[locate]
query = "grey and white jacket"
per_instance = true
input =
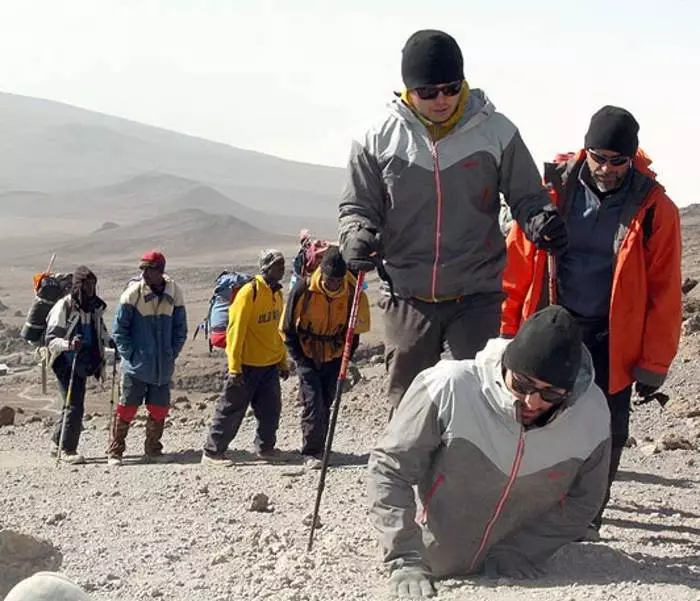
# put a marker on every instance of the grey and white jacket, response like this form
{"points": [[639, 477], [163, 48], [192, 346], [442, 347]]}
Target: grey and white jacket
{"points": [[66, 319], [436, 204], [486, 484]]}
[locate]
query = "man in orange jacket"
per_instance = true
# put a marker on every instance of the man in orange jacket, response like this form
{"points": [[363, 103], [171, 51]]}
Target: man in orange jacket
{"points": [[621, 274]]}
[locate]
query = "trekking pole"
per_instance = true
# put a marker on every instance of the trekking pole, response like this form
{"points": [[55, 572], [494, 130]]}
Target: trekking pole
{"points": [[111, 399], [552, 281], [349, 336], [66, 407]]}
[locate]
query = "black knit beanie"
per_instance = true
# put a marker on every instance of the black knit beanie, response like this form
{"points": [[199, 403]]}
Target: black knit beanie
{"points": [[80, 275], [613, 128], [547, 347], [332, 264], [431, 57]]}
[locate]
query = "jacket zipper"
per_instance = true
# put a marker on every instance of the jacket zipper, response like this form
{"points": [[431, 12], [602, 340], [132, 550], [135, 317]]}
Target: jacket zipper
{"points": [[438, 218], [519, 452]]}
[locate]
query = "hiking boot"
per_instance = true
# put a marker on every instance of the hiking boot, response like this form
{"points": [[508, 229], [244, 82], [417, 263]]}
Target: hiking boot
{"points": [[73, 458], [152, 447], [118, 445], [313, 462], [216, 460], [271, 455]]}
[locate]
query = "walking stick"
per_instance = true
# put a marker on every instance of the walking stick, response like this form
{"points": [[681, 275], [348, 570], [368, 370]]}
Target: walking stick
{"points": [[66, 407], [349, 336]]}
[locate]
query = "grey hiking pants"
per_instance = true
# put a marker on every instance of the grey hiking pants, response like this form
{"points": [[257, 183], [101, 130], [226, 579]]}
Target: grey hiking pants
{"points": [[261, 390], [417, 332]]}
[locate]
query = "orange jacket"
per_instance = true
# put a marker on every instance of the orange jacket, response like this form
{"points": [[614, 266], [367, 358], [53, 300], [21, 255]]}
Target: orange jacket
{"points": [[645, 307]]}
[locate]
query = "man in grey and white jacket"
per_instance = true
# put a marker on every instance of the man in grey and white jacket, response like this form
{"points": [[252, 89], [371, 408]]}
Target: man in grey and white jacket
{"points": [[510, 454], [422, 199]]}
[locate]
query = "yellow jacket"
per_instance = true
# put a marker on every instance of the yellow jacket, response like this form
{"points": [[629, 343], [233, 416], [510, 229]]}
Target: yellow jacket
{"points": [[317, 318], [252, 337]]}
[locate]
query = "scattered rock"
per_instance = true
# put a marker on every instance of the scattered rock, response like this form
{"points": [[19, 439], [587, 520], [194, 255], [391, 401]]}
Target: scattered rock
{"points": [[21, 556], [7, 416], [692, 324], [631, 442], [4, 369], [3, 307], [688, 285], [649, 449], [32, 419], [202, 406], [691, 462], [18, 313], [674, 442], [308, 519], [260, 503], [19, 411], [56, 518], [203, 490]]}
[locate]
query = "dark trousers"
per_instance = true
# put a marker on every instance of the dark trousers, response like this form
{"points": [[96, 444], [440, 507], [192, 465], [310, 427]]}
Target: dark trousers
{"points": [[261, 390], [318, 391], [417, 332], [598, 343], [76, 409]]}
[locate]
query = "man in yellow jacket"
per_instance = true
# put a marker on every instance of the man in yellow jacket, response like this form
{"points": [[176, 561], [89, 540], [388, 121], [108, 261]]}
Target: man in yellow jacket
{"points": [[256, 361], [314, 327]]}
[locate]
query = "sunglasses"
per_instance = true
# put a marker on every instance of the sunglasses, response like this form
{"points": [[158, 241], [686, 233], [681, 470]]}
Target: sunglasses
{"points": [[523, 385], [432, 92], [616, 161]]}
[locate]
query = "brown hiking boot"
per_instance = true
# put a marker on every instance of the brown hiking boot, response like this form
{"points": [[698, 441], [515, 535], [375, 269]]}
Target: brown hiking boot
{"points": [[152, 448], [118, 445]]}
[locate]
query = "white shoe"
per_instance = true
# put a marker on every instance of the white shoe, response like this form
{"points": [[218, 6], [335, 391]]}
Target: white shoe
{"points": [[114, 460], [73, 458], [216, 461]]}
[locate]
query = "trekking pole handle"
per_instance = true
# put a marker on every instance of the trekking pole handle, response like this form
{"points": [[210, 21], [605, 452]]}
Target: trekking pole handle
{"points": [[352, 325]]}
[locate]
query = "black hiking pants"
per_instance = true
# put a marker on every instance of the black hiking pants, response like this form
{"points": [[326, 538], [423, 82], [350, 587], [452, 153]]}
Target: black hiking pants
{"points": [[261, 390], [317, 392], [596, 339], [76, 409], [417, 332]]}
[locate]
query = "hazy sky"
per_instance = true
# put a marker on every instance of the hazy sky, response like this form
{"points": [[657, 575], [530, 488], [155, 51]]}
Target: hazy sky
{"points": [[299, 78]]}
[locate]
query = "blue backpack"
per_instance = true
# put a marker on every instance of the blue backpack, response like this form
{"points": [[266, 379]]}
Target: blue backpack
{"points": [[215, 323]]}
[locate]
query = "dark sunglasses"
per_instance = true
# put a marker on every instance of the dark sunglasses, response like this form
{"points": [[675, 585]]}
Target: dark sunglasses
{"points": [[616, 161], [523, 385], [432, 92]]}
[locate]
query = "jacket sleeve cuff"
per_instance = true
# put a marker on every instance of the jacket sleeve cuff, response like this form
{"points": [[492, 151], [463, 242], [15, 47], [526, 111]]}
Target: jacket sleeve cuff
{"points": [[650, 378]]}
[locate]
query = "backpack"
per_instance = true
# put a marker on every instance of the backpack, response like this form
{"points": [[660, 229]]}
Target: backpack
{"points": [[308, 258], [49, 288], [226, 287]]}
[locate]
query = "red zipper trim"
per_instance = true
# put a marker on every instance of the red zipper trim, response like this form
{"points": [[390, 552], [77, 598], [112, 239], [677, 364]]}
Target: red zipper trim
{"points": [[439, 481], [519, 452], [438, 219]]}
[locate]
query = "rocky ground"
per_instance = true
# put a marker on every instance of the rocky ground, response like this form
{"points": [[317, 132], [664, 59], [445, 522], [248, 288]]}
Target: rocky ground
{"points": [[181, 531]]}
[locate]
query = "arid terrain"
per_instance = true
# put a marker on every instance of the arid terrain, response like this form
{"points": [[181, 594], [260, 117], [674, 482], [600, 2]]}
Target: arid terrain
{"points": [[100, 191]]}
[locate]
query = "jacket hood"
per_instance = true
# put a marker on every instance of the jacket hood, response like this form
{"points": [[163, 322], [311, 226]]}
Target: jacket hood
{"points": [[488, 364]]}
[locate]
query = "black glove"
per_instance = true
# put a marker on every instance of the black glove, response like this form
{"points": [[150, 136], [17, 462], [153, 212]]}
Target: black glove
{"points": [[361, 250], [644, 390], [547, 231]]}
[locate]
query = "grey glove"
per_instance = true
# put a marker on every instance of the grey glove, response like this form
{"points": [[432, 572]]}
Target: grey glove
{"points": [[510, 565], [410, 583]]}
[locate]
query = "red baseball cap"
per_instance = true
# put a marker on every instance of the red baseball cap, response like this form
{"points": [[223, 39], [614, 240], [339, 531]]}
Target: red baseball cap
{"points": [[153, 259]]}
